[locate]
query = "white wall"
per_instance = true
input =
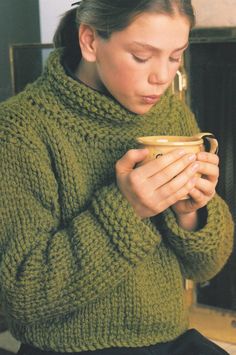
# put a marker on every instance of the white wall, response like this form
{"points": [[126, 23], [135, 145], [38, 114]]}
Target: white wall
{"points": [[50, 13], [209, 13], [215, 13]]}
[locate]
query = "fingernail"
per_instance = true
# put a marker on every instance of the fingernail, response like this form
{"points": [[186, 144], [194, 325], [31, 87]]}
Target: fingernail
{"points": [[193, 180], [181, 152], [195, 166], [192, 157]]}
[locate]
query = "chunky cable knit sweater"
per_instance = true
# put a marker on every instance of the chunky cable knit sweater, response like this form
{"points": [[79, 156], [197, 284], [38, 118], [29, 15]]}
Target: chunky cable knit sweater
{"points": [[78, 269]]}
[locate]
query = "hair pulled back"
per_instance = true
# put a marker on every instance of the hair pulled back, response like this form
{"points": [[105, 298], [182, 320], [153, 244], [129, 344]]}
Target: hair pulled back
{"points": [[108, 16]]}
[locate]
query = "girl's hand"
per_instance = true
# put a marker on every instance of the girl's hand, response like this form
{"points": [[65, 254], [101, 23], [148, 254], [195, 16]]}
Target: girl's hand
{"points": [[204, 189], [158, 184]]}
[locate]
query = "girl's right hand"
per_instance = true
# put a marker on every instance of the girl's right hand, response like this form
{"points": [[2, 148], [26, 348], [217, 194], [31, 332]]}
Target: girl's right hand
{"points": [[153, 187]]}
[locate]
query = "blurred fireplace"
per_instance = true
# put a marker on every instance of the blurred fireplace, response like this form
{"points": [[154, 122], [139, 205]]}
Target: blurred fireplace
{"points": [[211, 69]]}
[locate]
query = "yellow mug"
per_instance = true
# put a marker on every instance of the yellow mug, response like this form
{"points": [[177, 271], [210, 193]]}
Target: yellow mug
{"points": [[159, 145]]}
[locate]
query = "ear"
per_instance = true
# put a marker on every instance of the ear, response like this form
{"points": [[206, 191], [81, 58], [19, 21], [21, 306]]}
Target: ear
{"points": [[87, 39]]}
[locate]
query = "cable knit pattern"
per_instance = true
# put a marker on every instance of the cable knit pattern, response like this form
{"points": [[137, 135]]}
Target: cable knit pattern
{"points": [[78, 269]]}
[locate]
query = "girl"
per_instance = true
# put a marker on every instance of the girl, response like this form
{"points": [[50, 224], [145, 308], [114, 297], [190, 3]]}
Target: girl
{"points": [[95, 250]]}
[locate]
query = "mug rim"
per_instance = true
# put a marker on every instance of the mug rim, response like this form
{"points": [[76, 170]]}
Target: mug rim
{"points": [[163, 140]]}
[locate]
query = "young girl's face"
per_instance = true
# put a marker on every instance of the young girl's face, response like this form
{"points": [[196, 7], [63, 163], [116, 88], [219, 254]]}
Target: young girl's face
{"points": [[137, 64]]}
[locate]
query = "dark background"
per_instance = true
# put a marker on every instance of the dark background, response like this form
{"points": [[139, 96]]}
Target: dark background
{"points": [[19, 23], [211, 67]]}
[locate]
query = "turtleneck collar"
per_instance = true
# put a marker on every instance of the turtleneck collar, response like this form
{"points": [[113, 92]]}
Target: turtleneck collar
{"points": [[86, 100]]}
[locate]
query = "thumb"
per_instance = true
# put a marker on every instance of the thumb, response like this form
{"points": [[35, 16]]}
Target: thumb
{"points": [[130, 159]]}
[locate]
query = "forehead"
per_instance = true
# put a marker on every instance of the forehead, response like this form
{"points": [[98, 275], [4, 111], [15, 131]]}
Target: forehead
{"points": [[157, 30]]}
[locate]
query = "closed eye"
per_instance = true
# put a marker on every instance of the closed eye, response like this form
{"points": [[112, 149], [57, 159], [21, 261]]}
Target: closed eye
{"points": [[175, 60], [139, 59]]}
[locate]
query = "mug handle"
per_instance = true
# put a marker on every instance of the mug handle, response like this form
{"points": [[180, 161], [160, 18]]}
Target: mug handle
{"points": [[210, 142]]}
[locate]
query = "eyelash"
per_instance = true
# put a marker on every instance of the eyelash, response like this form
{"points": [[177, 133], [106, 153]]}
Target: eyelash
{"points": [[140, 60], [175, 60]]}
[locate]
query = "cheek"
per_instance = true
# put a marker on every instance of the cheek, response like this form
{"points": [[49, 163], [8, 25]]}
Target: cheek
{"points": [[121, 75], [126, 76]]}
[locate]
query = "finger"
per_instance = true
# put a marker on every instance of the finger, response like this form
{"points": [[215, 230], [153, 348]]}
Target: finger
{"points": [[177, 188], [177, 156], [178, 195], [198, 197], [130, 159], [175, 175], [211, 171], [205, 186], [208, 157]]}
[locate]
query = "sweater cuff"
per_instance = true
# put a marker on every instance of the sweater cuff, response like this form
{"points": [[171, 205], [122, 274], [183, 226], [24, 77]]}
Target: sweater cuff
{"points": [[206, 238], [133, 237]]}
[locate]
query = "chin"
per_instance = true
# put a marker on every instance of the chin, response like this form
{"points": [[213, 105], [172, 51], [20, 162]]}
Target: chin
{"points": [[140, 110]]}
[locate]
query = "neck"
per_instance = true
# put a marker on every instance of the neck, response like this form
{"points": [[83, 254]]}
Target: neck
{"points": [[86, 72]]}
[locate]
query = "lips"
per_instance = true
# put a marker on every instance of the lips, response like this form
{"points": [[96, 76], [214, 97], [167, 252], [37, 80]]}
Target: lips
{"points": [[151, 99]]}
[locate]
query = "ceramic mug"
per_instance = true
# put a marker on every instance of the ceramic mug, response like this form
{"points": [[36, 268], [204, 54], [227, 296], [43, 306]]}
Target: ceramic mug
{"points": [[159, 145]]}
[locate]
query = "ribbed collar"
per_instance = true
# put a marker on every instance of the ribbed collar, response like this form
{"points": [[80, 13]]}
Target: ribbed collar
{"points": [[83, 99]]}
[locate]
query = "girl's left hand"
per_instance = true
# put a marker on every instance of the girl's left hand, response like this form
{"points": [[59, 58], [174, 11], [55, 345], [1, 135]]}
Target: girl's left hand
{"points": [[205, 186]]}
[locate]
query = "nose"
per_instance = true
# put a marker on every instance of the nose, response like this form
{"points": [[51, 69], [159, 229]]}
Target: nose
{"points": [[160, 74]]}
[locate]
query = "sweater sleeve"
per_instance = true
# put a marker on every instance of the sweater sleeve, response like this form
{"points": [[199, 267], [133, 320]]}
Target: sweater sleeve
{"points": [[204, 252], [47, 268]]}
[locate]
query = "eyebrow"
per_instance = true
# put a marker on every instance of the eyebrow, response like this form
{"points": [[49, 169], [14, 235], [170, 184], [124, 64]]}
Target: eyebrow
{"points": [[149, 47]]}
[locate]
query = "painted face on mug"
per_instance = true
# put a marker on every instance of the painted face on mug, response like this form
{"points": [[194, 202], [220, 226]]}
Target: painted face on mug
{"points": [[136, 65]]}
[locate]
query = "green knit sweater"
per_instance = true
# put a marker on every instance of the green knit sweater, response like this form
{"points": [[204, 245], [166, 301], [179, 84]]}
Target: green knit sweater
{"points": [[78, 269]]}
